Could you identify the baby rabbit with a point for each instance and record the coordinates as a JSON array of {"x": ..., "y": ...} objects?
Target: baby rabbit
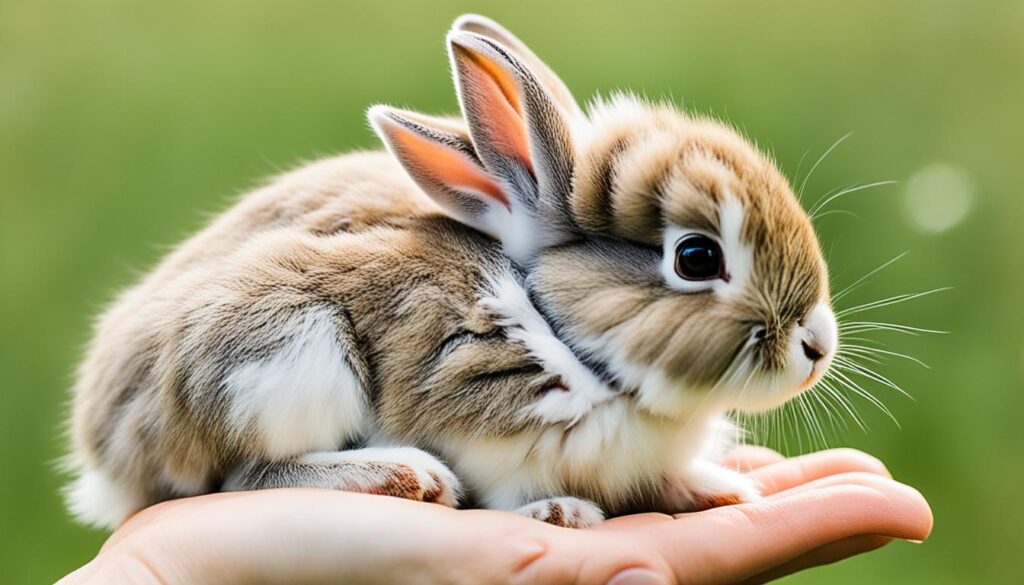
[{"x": 559, "y": 306}]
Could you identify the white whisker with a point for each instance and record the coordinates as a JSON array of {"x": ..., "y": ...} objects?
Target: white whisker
[
  {"x": 866, "y": 351},
  {"x": 850, "y": 288},
  {"x": 860, "y": 370},
  {"x": 800, "y": 191},
  {"x": 813, "y": 213},
  {"x": 860, "y": 354},
  {"x": 894, "y": 300},
  {"x": 844, "y": 402},
  {"x": 845, "y": 381},
  {"x": 863, "y": 326}
]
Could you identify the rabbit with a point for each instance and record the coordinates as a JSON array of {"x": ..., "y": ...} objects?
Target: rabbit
[{"x": 534, "y": 308}]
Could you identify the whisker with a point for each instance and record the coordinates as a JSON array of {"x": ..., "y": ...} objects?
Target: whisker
[
  {"x": 779, "y": 422},
  {"x": 863, "y": 350},
  {"x": 894, "y": 300},
  {"x": 849, "y": 338},
  {"x": 850, "y": 288},
  {"x": 835, "y": 212},
  {"x": 813, "y": 213},
  {"x": 864, "y": 326},
  {"x": 819, "y": 399},
  {"x": 806, "y": 398},
  {"x": 871, "y": 375},
  {"x": 800, "y": 191},
  {"x": 844, "y": 402},
  {"x": 800, "y": 165},
  {"x": 835, "y": 406},
  {"x": 844, "y": 380},
  {"x": 805, "y": 419},
  {"x": 859, "y": 354}
]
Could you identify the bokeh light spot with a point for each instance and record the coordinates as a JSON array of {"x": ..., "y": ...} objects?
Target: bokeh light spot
[{"x": 938, "y": 197}]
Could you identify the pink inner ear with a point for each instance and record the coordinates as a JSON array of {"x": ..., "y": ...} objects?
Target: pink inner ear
[
  {"x": 496, "y": 96},
  {"x": 444, "y": 165}
]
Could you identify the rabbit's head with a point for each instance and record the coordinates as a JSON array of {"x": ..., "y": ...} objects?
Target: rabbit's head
[{"x": 665, "y": 249}]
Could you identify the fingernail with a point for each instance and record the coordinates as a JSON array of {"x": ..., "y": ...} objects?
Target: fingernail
[
  {"x": 637, "y": 577},
  {"x": 912, "y": 541}
]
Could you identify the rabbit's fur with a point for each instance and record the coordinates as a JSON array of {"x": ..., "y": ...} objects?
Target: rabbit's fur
[{"x": 512, "y": 310}]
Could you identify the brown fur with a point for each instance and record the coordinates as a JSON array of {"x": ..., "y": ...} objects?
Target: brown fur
[{"x": 399, "y": 279}]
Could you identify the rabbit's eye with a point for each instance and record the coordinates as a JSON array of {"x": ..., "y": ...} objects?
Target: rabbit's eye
[{"x": 698, "y": 257}]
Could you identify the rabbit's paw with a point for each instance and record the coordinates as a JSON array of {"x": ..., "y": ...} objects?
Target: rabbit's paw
[
  {"x": 706, "y": 485},
  {"x": 565, "y": 511},
  {"x": 575, "y": 389},
  {"x": 402, "y": 472},
  {"x": 419, "y": 476}
]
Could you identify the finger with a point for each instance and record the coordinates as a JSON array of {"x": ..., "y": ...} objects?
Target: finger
[
  {"x": 736, "y": 542},
  {"x": 747, "y": 457},
  {"x": 823, "y": 555},
  {"x": 781, "y": 476},
  {"x": 634, "y": 521},
  {"x": 860, "y": 478}
]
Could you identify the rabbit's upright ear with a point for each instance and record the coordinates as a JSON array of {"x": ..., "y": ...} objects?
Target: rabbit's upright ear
[
  {"x": 483, "y": 26},
  {"x": 522, "y": 136},
  {"x": 510, "y": 176}
]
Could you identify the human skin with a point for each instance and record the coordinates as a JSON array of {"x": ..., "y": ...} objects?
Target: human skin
[{"x": 818, "y": 509}]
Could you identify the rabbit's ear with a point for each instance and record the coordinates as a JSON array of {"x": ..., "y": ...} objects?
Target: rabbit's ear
[
  {"x": 439, "y": 156},
  {"x": 521, "y": 135},
  {"x": 483, "y": 26}
]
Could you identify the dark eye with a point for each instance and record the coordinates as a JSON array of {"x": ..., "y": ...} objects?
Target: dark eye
[{"x": 699, "y": 257}]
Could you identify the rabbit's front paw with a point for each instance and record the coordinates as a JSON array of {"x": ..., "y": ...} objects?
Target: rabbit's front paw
[
  {"x": 706, "y": 485},
  {"x": 566, "y": 512}
]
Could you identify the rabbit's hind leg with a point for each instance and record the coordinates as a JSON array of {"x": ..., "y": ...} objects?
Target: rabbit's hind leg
[{"x": 404, "y": 472}]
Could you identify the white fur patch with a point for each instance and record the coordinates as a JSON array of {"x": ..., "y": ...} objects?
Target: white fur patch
[
  {"x": 520, "y": 233},
  {"x": 512, "y": 308},
  {"x": 303, "y": 398},
  {"x": 616, "y": 449},
  {"x": 739, "y": 257},
  {"x": 96, "y": 499},
  {"x": 700, "y": 478}
]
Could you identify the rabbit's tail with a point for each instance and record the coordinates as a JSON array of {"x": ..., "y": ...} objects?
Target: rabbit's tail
[{"x": 99, "y": 500}]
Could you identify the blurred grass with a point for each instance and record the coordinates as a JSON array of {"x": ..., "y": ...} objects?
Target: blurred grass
[{"x": 122, "y": 124}]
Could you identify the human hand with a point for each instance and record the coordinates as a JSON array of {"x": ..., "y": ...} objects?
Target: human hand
[{"x": 818, "y": 509}]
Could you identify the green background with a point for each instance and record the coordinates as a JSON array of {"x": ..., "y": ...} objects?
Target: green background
[{"x": 123, "y": 125}]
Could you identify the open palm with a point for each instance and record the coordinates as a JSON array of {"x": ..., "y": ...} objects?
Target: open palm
[{"x": 818, "y": 509}]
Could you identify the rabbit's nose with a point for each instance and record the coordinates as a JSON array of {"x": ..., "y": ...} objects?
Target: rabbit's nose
[
  {"x": 818, "y": 333},
  {"x": 811, "y": 351}
]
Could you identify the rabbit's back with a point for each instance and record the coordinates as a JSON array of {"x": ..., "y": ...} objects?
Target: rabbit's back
[{"x": 344, "y": 193}]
